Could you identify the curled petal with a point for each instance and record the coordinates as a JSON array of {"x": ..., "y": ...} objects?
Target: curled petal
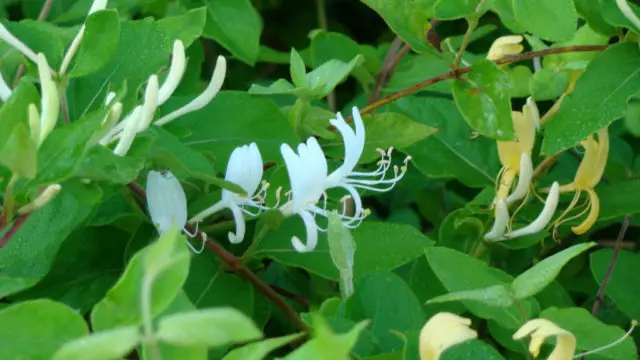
[
  {"x": 442, "y": 331},
  {"x": 543, "y": 219},
  {"x": 43, "y": 199},
  {"x": 504, "y": 46},
  {"x": 594, "y": 211},
  {"x": 540, "y": 329},
  {"x": 203, "y": 99},
  {"x": 500, "y": 222},
  {"x": 240, "y": 225},
  {"x": 524, "y": 179},
  {"x": 312, "y": 234},
  {"x": 176, "y": 71}
]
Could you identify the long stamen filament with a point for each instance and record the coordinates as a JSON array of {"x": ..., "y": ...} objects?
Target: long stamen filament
[{"x": 634, "y": 323}]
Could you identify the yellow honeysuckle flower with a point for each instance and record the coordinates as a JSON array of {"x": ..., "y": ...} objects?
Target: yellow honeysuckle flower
[
  {"x": 442, "y": 331},
  {"x": 588, "y": 175},
  {"x": 515, "y": 157},
  {"x": 540, "y": 329},
  {"x": 505, "y": 46}
]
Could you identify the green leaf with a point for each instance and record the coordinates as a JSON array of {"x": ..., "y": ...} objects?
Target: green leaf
[
  {"x": 461, "y": 272},
  {"x": 169, "y": 151},
  {"x": 36, "y": 329},
  {"x": 325, "y": 344},
  {"x": 461, "y": 231},
  {"x": 451, "y": 152},
  {"x": 455, "y": 9},
  {"x": 211, "y": 327},
  {"x": 496, "y": 295},
  {"x": 372, "y": 239},
  {"x": 618, "y": 199},
  {"x": 504, "y": 9},
  {"x": 99, "y": 43},
  {"x": 383, "y": 131},
  {"x": 57, "y": 163},
  {"x": 613, "y": 73},
  {"x": 552, "y": 20},
  {"x": 14, "y": 110},
  {"x": 28, "y": 256},
  {"x": 549, "y": 84},
  {"x": 42, "y": 37},
  {"x": 185, "y": 27},
  {"x": 133, "y": 62},
  {"x": 104, "y": 345},
  {"x": 166, "y": 261},
  {"x": 19, "y": 153},
  {"x": 259, "y": 350},
  {"x": 235, "y": 25},
  {"x": 342, "y": 247},
  {"x": 409, "y": 19},
  {"x": 297, "y": 70},
  {"x": 483, "y": 99},
  {"x": 401, "y": 312},
  {"x": 592, "y": 333},
  {"x": 622, "y": 287},
  {"x": 536, "y": 278},
  {"x": 237, "y": 118},
  {"x": 613, "y": 15},
  {"x": 590, "y": 11},
  {"x": 100, "y": 164},
  {"x": 471, "y": 349}
]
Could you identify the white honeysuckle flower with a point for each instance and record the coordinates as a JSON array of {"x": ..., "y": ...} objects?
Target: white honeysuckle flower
[
  {"x": 217, "y": 79},
  {"x": 5, "y": 90},
  {"x": 307, "y": 173},
  {"x": 43, "y": 199},
  {"x": 50, "y": 101},
  {"x": 543, "y": 218},
  {"x": 245, "y": 169},
  {"x": 167, "y": 204},
  {"x": 97, "y": 5},
  {"x": 156, "y": 96},
  {"x": 129, "y": 132},
  {"x": 345, "y": 177},
  {"x": 524, "y": 179}
]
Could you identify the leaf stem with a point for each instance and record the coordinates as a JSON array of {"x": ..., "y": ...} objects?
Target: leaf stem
[{"x": 147, "y": 317}]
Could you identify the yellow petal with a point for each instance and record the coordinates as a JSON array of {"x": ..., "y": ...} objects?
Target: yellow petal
[
  {"x": 594, "y": 161},
  {"x": 524, "y": 127},
  {"x": 442, "y": 331},
  {"x": 594, "y": 211},
  {"x": 504, "y": 46},
  {"x": 540, "y": 329}
]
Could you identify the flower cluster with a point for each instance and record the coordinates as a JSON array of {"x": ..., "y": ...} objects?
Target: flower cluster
[
  {"x": 309, "y": 179},
  {"x": 515, "y": 157},
  {"x": 444, "y": 330}
]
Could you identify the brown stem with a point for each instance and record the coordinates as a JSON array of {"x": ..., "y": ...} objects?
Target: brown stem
[
  {"x": 14, "y": 229},
  {"x": 386, "y": 68},
  {"x": 612, "y": 263},
  {"x": 453, "y": 74},
  {"x": 234, "y": 264},
  {"x": 545, "y": 164},
  {"x": 297, "y": 298}
]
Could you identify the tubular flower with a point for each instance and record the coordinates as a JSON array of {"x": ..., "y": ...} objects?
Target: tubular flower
[
  {"x": 345, "y": 177},
  {"x": 505, "y": 46},
  {"x": 442, "y": 331},
  {"x": 244, "y": 169},
  {"x": 515, "y": 157},
  {"x": 156, "y": 95},
  {"x": 588, "y": 175},
  {"x": 307, "y": 173},
  {"x": 42, "y": 124},
  {"x": 540, "y": 329},
  {"x": 167, "y": 203},
  {"x": 5, "y": 90}
]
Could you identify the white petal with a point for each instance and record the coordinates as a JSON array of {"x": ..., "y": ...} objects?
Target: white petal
[
  {"x": 500, "y": 222},
  {"x": 203, "y": 99},
  {"x": 312, "y": 234},
  {"x": 150, "y": 103},
  {"x": 524, "y": 179},
  {"x": 166, "y": 201},
  {"x": 245, "y": 168},
  {"x": 543, "y": 219},
  {"x": 176, "y": 71},
  {"x": 240, "y": 225},
  {"x": 5, "y": 90}
]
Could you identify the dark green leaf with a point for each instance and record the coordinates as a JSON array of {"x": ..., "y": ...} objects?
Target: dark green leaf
[
  {"x": 100, "y": 164},
  {"x": 622, "y": 287},
  {"x": 186, "y": 27},
  {"x": 553, "y": 20}
]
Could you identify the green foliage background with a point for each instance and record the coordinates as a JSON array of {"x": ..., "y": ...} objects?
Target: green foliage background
[{"x": 73, "y": 274}]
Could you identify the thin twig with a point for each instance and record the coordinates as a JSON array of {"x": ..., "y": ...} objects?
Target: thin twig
[
  {"x": 453, "y": 74},
  {"x": 234, "y": 264},
  {"x": 288, "y": 294},
  {"x": 545, "y": 164},
  {"x": 44, "y": 12},
  {"x": 386, "y": 68},
  {"x": 473, "y": 23},
  {"x": 612, "y": 263}
]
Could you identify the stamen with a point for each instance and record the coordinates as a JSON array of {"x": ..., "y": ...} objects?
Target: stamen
[
  {"x": 543, "y": 219},
  {"x": 634, "y": 323}
]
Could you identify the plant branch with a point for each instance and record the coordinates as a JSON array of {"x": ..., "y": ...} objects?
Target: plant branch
[
  {"x": 453, "y": 74},
  {"x": 386, "y": 69},
  {"x": 235, "y": 265},
  {"x": 473, "y": 23},
  {"x": 612, "y": 263},
  {"x": 14, "y": 229}
]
